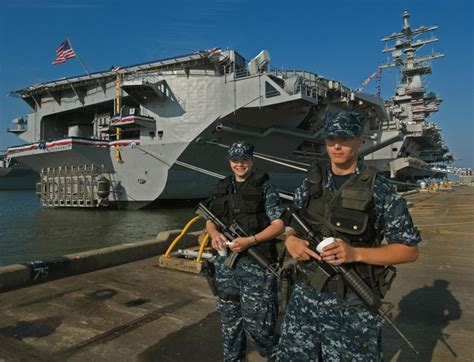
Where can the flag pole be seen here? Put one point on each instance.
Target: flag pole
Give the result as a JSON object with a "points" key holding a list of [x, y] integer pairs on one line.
{"points": [[78, 57]]}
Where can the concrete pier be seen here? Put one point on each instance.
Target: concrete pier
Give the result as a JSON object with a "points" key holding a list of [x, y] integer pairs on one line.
{"points": [[433, 297], [139, 311]]}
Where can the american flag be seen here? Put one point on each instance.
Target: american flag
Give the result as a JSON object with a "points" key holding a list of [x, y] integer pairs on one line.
{"points": [[64, 52]]}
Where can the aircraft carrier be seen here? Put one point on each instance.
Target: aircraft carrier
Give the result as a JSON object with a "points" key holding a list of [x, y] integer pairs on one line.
{"points": [[158, 131]]}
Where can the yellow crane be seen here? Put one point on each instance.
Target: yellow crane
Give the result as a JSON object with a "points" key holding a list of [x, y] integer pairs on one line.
{"points": [[118, 100]]}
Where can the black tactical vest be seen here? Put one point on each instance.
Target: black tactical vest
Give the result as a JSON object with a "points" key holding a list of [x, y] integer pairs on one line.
{"points": [[348, 214], [245, 206]]}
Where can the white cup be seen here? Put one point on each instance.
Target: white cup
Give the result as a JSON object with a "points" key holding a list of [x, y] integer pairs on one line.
{"points": [[324, 243], [222, 251]]}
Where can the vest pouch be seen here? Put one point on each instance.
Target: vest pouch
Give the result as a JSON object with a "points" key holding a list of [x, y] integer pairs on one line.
{"points": [[355, 199], [315, 220], [252, 202], [219, 207], [337, 286], [253, 224], [349, 222], [221, 189]]}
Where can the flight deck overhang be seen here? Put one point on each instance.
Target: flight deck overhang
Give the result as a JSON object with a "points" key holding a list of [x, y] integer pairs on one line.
{"points": [[183, 61]]}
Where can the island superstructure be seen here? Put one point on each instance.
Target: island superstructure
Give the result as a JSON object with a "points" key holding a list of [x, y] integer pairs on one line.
{"points": [[422, 149]]}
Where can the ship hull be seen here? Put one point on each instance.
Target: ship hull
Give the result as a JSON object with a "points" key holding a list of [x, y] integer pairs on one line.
{"points": [[150, 173], [17, 179]]}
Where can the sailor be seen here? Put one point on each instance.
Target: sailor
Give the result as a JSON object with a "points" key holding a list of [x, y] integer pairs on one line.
{"points": [[344, 199], [247, 293]]}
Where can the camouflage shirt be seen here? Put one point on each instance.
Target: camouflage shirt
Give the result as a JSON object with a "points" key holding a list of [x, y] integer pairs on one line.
{"points": [[393, 220], [273, 206]]}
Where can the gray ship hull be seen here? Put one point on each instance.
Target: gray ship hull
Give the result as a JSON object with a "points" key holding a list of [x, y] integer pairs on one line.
{"points": [[24, 180], [12, 178]]}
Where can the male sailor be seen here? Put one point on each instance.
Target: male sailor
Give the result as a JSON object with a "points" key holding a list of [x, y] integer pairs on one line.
{"points": [[357, 206]]}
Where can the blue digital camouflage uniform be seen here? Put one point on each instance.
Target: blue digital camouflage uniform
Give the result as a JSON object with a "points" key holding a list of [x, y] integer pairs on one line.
{"points": [[318, 327], [254, 315]]}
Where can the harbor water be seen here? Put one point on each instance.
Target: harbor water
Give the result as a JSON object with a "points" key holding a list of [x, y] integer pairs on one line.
{"points": [[30, 232]]}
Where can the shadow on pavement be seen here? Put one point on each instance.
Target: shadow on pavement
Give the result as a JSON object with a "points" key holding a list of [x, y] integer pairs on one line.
{"points": [[424, 313]]}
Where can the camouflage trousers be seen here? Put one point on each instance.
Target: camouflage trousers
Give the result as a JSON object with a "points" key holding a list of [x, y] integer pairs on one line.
{"points": [[318, 328], [253, 315]]}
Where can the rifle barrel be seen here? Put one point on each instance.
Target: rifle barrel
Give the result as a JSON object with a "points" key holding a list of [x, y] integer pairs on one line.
{"points": [[399, 332]]}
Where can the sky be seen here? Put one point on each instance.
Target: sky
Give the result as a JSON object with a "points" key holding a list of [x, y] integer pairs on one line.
{"points": [[337, 39]]}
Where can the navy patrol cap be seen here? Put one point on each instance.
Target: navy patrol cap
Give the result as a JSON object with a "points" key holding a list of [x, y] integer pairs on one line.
{"points": [[240, 149], [345, 124]]}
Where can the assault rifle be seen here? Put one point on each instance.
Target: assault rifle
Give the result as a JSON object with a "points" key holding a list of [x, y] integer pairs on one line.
{"points": [[350, 276], [232, 232]]}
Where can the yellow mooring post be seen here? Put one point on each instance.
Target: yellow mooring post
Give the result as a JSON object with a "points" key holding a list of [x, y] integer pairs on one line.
{"points": [[183, 232], [202, 247], [174, 261]]}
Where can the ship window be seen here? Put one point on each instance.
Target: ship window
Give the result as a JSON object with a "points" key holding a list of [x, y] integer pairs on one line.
{"points": [[152, 134], [270, 91], [394, 149], [160, 134]]}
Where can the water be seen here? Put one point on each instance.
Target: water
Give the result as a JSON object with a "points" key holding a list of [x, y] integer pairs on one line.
{"points": [[30, 232]]}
